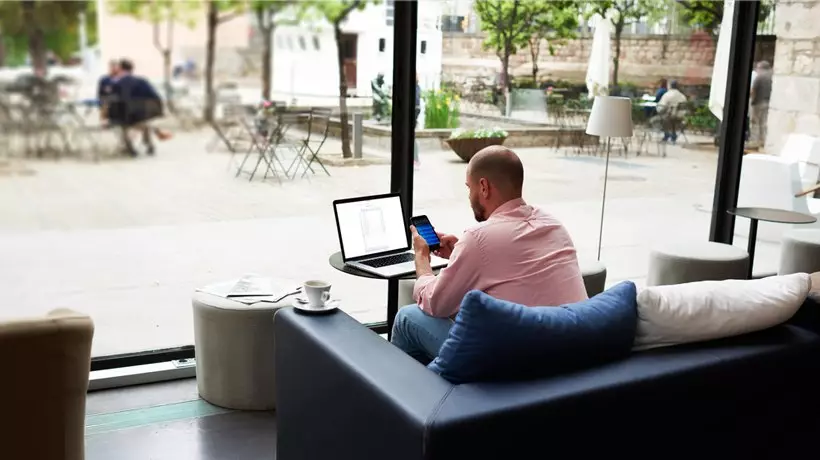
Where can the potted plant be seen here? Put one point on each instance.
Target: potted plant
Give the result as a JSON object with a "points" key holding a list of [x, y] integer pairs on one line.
{"points": [[467, 143]]}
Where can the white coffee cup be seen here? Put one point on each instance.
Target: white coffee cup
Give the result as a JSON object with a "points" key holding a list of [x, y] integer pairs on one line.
{"points": [[317, 292]]}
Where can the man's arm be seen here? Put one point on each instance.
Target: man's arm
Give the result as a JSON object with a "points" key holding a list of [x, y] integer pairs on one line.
{"points": [[441, 295]]}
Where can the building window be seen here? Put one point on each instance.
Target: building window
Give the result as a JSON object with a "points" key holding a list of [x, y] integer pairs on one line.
{"points": [[302, 43], [280, 42], [389, 12], [424, 47], [316, 43], [382, 45], [290, 43]]}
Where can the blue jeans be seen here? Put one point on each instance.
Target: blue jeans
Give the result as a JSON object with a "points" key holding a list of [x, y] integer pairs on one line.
{"points": [[419, 334], [670, 136]]}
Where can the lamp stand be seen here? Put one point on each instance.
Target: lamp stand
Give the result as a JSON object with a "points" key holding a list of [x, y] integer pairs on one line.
{"points": [[603, 200]]}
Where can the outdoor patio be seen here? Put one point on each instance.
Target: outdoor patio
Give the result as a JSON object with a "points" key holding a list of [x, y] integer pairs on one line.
{"points": [[127, 241]]}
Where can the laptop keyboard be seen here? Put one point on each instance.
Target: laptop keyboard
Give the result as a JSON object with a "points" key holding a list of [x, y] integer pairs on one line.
{"points": [[389, 260]]}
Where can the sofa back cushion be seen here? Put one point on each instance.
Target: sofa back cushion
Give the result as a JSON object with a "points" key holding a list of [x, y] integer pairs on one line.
{"points": [[494, 340], [707, 310]]}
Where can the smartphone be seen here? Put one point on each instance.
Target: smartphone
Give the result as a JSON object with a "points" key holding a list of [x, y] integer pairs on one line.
{"points": [[426, 230]]}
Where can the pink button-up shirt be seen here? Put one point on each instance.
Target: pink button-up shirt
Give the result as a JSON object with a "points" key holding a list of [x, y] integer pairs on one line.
{"points": [[520, 254]]}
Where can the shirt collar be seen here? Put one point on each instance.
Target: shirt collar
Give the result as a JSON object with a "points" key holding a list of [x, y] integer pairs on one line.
{"points": [[509, 206]]}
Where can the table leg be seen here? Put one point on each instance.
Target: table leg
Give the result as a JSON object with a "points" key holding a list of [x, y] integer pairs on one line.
{"points": [[392, 304], [752, 242]]}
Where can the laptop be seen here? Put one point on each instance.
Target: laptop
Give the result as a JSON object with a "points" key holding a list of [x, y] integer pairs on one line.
{"points": [[374, 236]]}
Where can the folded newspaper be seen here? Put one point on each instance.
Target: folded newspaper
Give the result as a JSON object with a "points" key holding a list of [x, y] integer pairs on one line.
{"points": [[251, 289]]}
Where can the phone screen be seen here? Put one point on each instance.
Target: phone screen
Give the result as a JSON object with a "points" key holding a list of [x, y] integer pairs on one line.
{"points": [[426, 230]]}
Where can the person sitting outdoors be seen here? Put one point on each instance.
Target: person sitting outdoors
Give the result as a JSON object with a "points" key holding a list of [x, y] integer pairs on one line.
{"points": [[670, 112], [517, 253], [133, 103]]}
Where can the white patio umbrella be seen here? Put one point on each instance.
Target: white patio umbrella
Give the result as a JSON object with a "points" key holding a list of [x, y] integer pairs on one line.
{"points": [[717, 93], [600, 59]]}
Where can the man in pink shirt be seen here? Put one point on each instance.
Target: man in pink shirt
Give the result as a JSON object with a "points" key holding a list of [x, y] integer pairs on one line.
{"points": [[516, 252]]}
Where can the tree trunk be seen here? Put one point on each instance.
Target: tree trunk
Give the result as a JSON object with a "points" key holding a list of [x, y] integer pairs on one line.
{"points": [[212, 22], [619, 29], [337, 33], [2, 51], [166, 75], [267, 60], [36, 38], [534, 52]]}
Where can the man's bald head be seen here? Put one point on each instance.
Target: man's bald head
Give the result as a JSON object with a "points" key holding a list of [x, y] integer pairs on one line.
{"points": [[494, 176], [501, 167]]}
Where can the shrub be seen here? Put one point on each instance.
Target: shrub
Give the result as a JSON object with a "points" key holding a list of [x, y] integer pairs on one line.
{"points": [[479, 133], [441, 109]]}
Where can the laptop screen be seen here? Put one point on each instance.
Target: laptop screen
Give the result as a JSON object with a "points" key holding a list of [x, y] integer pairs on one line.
{"points": [[371, 226]]}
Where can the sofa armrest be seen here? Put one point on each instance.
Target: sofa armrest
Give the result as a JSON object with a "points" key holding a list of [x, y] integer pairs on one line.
{"points": [[343, 392]]}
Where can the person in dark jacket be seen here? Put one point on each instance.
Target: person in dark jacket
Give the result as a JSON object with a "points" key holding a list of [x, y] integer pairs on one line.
{"points": [[133, 104]]}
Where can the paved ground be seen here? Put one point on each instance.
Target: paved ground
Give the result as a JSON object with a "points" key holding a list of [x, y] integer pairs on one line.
{"points": [[128, 240]]}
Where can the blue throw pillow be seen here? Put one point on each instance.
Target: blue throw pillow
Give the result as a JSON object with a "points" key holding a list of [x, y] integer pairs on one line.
{"points": [[495, 340]]}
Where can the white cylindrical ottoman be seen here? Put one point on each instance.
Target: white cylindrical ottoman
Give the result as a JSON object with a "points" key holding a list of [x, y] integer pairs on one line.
{"points": [[800, 252], [686, 262], [594, 274], [234, 351]]}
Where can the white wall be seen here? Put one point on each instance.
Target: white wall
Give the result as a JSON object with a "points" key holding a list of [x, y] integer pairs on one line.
{"points": [[314, 72]]}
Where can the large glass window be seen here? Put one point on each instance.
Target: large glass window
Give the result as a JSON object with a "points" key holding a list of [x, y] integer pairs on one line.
{"points": [[660, 182]]}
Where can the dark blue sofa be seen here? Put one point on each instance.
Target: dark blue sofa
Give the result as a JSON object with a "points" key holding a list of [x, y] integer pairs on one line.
{"points": [[344, 393]]}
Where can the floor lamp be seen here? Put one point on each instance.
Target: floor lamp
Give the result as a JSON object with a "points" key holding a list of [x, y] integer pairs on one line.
{"points": [[610, 117]]}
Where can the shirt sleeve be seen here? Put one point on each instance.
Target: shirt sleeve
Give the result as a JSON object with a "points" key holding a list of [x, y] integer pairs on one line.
{"points": [[440, 296]]}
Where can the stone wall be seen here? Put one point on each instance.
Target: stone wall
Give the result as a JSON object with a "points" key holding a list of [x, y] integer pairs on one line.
{"points": [[795, 103], [644, 58]]}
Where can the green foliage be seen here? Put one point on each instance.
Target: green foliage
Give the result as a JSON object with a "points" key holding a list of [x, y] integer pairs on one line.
{"points": [[702, 119], [708, 14], [158, 11], [479, 133], [441, 109], [58, 20], [337, 11], [625, 12]]}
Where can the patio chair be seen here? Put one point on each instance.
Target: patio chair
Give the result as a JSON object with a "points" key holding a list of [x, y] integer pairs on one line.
{"points": [[262, 144], [805, 151], [770, 181], [318, 127]]}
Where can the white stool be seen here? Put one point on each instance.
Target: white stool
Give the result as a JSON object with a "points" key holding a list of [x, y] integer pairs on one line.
{"points": [[800, 252], [686, 262], [234, 351]]}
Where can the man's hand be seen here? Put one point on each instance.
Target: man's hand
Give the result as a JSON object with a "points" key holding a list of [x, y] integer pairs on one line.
{"points": [[420, 246], [422, 251], [448, 243]]}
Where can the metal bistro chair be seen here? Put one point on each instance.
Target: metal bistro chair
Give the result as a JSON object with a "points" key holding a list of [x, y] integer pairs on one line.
{"points": [[320, 125], [263, 139]]}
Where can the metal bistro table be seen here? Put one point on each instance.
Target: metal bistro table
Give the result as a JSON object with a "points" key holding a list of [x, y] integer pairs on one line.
{"points": [[780, 216], [392, 288]]}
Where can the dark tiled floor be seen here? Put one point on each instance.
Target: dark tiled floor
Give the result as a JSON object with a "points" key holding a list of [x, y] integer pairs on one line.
{"points": [[233, 435], [152, 394]]}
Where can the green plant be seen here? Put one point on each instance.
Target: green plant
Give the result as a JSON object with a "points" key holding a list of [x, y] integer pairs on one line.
{"points": [[478, 133], [702, 119], [441, 109]]}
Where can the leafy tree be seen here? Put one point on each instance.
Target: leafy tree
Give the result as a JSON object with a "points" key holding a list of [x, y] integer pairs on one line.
{"points": [[40, 26], [336, 12], [160, 13], [508, 25], [708, 14], [623, 13], [553, 22], [218, 12], [268, 17]]}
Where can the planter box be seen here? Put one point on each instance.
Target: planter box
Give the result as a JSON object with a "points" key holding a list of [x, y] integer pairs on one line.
{"points": [[466, 148]]}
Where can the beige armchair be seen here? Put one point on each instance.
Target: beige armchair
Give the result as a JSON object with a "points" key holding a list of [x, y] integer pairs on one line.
{"points": [[43, 383]]}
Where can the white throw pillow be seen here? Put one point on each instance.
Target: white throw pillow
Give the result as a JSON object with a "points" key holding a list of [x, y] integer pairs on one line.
{"points": [[708, 310]]}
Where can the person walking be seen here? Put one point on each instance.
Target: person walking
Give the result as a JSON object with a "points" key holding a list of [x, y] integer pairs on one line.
{"points": [[759, 96]]}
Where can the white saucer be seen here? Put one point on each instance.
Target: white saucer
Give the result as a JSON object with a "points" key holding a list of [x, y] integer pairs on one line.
{"points": [[330, 305]]}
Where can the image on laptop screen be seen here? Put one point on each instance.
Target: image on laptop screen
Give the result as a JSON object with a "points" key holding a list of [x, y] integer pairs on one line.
{"points": [[371, 226]]}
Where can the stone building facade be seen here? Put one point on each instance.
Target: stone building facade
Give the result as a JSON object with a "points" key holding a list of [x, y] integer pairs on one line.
{"points": [[795, 103], [644, 58]]}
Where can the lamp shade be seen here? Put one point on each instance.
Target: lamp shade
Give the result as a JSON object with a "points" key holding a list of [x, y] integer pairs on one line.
{"points": [[610, 117]]}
